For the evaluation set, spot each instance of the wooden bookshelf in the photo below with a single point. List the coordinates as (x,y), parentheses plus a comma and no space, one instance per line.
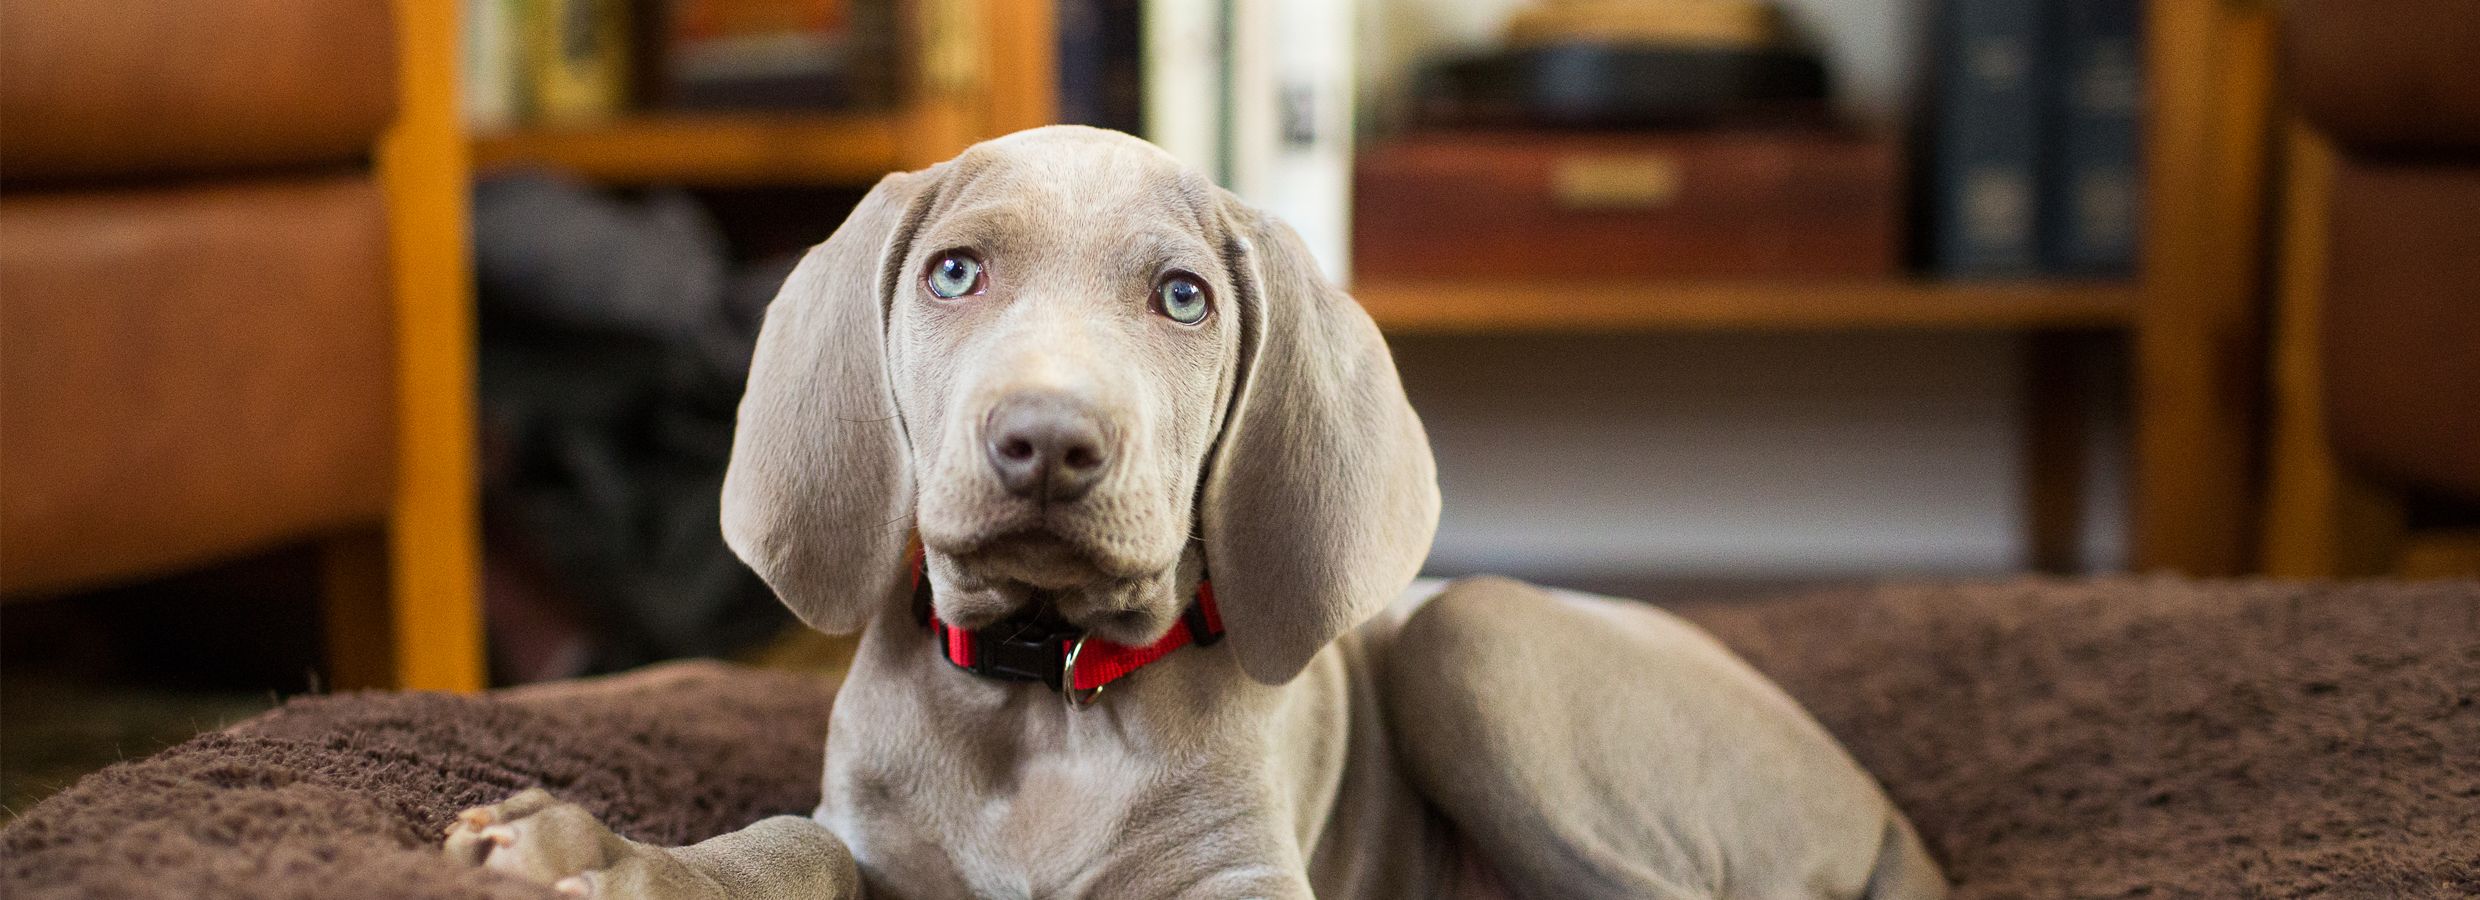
(708,150)
(1485,307)
(984,70)
(2195,332)
(402,603)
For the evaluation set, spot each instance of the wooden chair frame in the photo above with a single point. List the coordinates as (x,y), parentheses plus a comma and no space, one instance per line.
(403,600)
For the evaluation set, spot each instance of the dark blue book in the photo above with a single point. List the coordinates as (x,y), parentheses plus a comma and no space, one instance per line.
(1101,60)
(1982,200)
(2092,197)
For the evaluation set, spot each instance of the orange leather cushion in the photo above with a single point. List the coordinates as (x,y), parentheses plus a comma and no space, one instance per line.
(92,88)
(2391,75)
(188,374)
(2402,323)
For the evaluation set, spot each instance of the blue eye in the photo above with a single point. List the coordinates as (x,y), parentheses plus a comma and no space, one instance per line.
(1181,298)
(954,274)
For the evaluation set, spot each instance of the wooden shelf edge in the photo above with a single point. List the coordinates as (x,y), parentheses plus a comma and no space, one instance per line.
(707,149)
(1482,307)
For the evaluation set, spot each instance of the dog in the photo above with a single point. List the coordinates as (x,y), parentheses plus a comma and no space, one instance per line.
(1124,498)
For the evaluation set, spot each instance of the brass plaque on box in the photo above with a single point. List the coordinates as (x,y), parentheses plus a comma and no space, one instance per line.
(1635,181)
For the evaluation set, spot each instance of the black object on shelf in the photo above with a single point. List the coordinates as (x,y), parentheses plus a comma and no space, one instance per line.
(615,337)
(1591,85)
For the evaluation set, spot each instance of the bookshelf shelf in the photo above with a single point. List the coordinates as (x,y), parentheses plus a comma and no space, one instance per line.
(714,150)
(1488,307)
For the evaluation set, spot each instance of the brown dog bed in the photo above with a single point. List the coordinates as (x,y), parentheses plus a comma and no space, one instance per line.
(2051,739)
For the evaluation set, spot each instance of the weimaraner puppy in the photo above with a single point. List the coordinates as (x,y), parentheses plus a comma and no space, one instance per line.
(1157,642)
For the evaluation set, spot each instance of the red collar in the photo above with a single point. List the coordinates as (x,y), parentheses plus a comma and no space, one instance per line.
(1033,647)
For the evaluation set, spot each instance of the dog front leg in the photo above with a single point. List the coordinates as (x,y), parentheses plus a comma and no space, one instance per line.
(542,839)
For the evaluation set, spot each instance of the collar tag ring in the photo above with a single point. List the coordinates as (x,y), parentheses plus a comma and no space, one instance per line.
(1076,699)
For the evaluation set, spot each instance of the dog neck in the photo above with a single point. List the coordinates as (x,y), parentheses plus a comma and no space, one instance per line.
(1190,739)
(1037,646)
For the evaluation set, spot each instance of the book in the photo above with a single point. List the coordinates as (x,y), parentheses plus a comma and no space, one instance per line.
(778,54)
(493,94)
(1981,181)
(577,59)
(1101,64)
(1183,81)
(2092,183)
(1288,147)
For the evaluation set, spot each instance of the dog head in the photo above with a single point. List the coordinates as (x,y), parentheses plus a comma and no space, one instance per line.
(1082,373)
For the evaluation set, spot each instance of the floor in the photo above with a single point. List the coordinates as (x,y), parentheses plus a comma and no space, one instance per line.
(91,679)
(80,691)
(54,730)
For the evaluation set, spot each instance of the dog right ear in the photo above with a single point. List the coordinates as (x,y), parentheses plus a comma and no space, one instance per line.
(819,497)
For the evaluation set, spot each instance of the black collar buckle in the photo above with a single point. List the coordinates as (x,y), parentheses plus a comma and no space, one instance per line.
(1023,649)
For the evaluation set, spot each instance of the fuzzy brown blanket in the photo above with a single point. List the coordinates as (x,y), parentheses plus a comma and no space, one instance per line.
(2051,739)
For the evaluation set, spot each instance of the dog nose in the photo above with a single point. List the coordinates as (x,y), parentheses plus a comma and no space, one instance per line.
(1046,447)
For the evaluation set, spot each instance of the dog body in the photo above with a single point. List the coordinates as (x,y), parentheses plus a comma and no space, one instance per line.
(1086,378)
(963,786)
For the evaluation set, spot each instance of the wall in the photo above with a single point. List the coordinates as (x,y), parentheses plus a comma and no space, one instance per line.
(1730,455)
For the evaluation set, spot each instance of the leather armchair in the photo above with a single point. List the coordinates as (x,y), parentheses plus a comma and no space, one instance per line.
(206,317)
(2377,353)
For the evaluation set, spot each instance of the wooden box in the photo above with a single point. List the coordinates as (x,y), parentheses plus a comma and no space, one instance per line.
(1698,204)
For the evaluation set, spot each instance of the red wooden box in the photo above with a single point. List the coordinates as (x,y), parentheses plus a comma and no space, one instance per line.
(1711,204)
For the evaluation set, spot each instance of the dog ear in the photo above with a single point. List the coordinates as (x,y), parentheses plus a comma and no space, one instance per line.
(1322,497)
(819,495)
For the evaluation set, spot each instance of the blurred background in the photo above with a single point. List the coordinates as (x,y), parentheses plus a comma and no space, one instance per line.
(395,343)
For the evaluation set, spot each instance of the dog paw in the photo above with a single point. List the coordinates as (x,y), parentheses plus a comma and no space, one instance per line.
(542,839)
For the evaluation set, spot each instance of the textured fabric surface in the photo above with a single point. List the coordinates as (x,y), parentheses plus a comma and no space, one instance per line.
(2153,738)
(348,796)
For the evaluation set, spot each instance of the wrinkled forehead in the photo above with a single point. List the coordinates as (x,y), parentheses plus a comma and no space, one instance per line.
(1038,193)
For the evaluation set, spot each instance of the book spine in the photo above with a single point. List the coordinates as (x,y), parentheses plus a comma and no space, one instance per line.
(1080,61)
(1100,53)
(1984,172)
(579,59)
(1184,80)
(1123,69)
(771,54)
(2092,195)
(1291,118)
(494,89)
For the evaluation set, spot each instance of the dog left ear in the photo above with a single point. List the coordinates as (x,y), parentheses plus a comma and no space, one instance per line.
(818,496)
(1322,497)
